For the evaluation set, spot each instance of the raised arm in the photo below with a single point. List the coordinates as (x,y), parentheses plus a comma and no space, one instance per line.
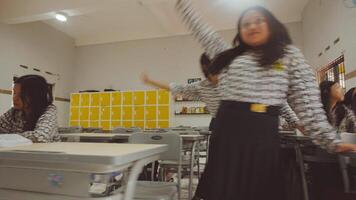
(210,40)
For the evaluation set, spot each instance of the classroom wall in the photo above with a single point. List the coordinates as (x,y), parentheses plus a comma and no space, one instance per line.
(36,45)
(323,22)
(171,59)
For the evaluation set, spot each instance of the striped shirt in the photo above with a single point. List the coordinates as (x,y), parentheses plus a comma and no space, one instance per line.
(290,79)
(46,129)
(204,91)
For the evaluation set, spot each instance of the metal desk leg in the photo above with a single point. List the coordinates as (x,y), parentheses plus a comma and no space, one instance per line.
(207,148)
(190,192)
(299,157)
(135,172)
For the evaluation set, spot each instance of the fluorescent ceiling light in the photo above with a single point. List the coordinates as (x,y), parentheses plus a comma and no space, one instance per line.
(61,17)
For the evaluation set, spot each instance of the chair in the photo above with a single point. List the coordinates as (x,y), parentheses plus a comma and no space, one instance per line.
(160,190)
(348,164)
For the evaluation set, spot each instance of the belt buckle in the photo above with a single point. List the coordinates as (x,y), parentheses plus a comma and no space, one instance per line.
(258,108)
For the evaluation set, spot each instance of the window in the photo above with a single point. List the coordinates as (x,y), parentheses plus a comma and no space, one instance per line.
(335,71)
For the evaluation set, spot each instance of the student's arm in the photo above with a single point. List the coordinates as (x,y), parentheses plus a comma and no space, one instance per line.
(189,91)
(46,127)
(5,121)
(291,118)
(304,97)
(211,41)
(350,121)
(148,81)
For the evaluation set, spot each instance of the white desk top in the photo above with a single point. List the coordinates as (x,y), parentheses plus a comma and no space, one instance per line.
(90,153)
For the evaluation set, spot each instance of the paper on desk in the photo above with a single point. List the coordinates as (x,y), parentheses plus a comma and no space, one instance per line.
(13,140)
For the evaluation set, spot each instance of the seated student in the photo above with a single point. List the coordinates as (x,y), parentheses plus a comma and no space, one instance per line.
(33,115)
(339,115)
(350,99)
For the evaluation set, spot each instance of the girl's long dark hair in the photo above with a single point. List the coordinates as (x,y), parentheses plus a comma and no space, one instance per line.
(325,92)
(268,53)
(36,94)
(350,99)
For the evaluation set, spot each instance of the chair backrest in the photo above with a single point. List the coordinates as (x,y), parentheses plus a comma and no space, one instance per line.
(173,140)
(348,137)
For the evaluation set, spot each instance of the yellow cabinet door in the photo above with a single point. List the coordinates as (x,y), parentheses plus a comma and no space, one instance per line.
(151,112)
(115,124)
(84,113)
(139,97)
(151,124)
(105,98)
(94,124)
(105,125)
(151,97)
(163,124)
(127,98)
(116,99)
(74,123)
(140,124)
(163,112)
(94,99)
(139,112)
(163,97)
(94,113)
(105,114)
(127,124)
(84,124)
(127,113)
(74,99)
(115,113)
(74,113)
(84,99)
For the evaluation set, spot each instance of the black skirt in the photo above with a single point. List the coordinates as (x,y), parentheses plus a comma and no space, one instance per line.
(201,191)
(244,155)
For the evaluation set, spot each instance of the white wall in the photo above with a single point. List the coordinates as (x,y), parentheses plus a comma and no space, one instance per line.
(324,21)
(36,45)
(172,59)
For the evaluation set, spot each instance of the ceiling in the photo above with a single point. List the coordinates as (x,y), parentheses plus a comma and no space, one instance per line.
(103,21)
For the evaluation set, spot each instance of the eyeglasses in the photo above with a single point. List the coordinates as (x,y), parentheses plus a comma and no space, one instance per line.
(259,21)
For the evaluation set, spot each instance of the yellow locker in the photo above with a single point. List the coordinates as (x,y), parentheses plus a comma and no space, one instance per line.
(115,113)
(116,98)
(139,97)
(127,112)
(163,97)
(163,112)
(94,114)
(105,125)
(151,112)
(151,97)
(127,98)
(84,113)
(163,124)
(74,123)
(94,99)
(127,124)
(151,124)
(74,113)
(139,112)
(94,124)
(105,113)
(115,124)
(84,99)
(74,99)
(105,99)
(140,124)
(84,124)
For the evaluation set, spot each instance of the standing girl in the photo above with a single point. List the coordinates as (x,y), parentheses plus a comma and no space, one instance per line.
(258,75)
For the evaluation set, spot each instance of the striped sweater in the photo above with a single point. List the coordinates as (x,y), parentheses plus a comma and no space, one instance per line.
(291,79)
